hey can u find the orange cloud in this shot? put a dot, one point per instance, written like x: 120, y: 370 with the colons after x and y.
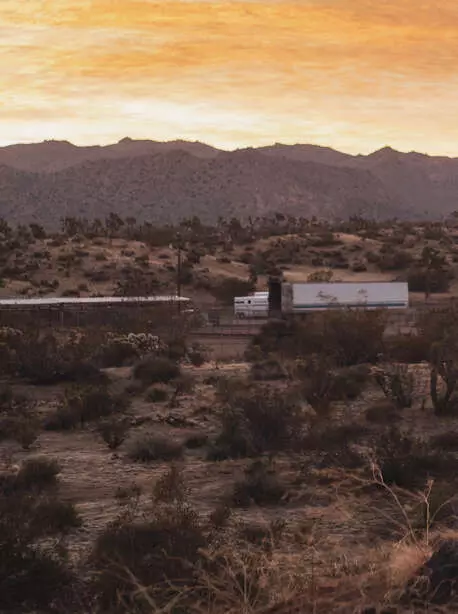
x: 353, y: 74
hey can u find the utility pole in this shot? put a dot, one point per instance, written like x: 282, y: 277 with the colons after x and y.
x: 179, y: 272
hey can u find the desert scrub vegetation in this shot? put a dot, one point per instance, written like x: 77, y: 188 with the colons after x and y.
x: 256, y: 419
x: 156, y: 370
x: 346, y: 337
x: 150, y: 447
x: 34, y: 575
x: 83, y: 404
x: 43, y: 359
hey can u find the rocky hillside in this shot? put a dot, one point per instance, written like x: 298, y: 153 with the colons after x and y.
x: 168, y: 181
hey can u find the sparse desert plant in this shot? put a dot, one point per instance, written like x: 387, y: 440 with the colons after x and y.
x: 156, y: 370
x: 170, y: 487
x: 407, y: 348
x: 269, y: 369
x: 53, y: 515
x: 382, y: 412
x: 38, y: 473
x: 324, y: 275
x: 83, y: 404
x: 258, y: 420
x: 408, y: 463
x: 348, y: 337
x: 116, y: 354
x: 444, y: 367
x: 149, y: 447
x: 33, y: 577
x: 157, y: 393
x: 196, y: 440
x: 92, y: 403
x: 445, y: 441
x: 197, y: 356
x: 321, y: 384
x: 161, y: 551
x: 113, y: 432
x: 397, y: 382
x: 44, y: 360
x: 229, y: 287
x: 260, y: 486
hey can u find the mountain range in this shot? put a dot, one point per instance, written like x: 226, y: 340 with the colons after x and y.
x: 165, y: 182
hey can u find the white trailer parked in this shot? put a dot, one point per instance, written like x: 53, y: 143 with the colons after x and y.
x: 305, y: 297
x: 253, y: 306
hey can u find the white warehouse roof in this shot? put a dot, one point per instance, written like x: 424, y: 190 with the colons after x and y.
x: 92, y: 300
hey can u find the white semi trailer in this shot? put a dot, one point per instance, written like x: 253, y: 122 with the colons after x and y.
x: 305, y: 297
x: 285, y: 298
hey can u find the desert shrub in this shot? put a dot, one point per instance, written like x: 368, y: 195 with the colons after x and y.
x: 382, y: 412
x: 325, y: 438
x: 321, y: 276
x: 444, y: 375
x: 445, y: 441
x: 113, y: 432
x: 84, y: 404
x: 408, y: 462
x: 161, y: 552
x: 158, y: 393
x: 53, y: 515
x: 407, y: 348
x: 170, y: 487
x: 197, y: 440
x: 269, y: 369
x: 264, y: 535
x: 38, y: 473
x: 63, y: 418
x: 349, y: 337
x: 259, y: 420
x: 428, y: 281
x: 260, y: 486
x: 321, y: 384
x: 349, y: 382
x: 32, y: 577
x: 397, y: 383
x: 43, y: 360
x: 229, y: 287
x: 155, y: 370
x: 116, y: 354
x: 149, y: 447
x: 394, y: 260
x: 196, y: 356
x: 18, y: 419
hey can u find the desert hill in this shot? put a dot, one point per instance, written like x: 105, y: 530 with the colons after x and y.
x: 166, y: 187
x: 167, y: 181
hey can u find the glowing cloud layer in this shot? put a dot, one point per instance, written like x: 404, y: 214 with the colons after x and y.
x: 354, y: 75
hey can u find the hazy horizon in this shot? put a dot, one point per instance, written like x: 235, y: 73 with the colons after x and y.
x: 233, y: 74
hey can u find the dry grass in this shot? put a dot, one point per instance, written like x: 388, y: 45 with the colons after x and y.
x: 333, y: 537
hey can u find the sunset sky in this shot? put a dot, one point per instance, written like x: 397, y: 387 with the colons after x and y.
x: 355, y: 75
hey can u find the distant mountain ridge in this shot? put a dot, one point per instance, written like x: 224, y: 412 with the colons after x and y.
x: 166, y: 181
